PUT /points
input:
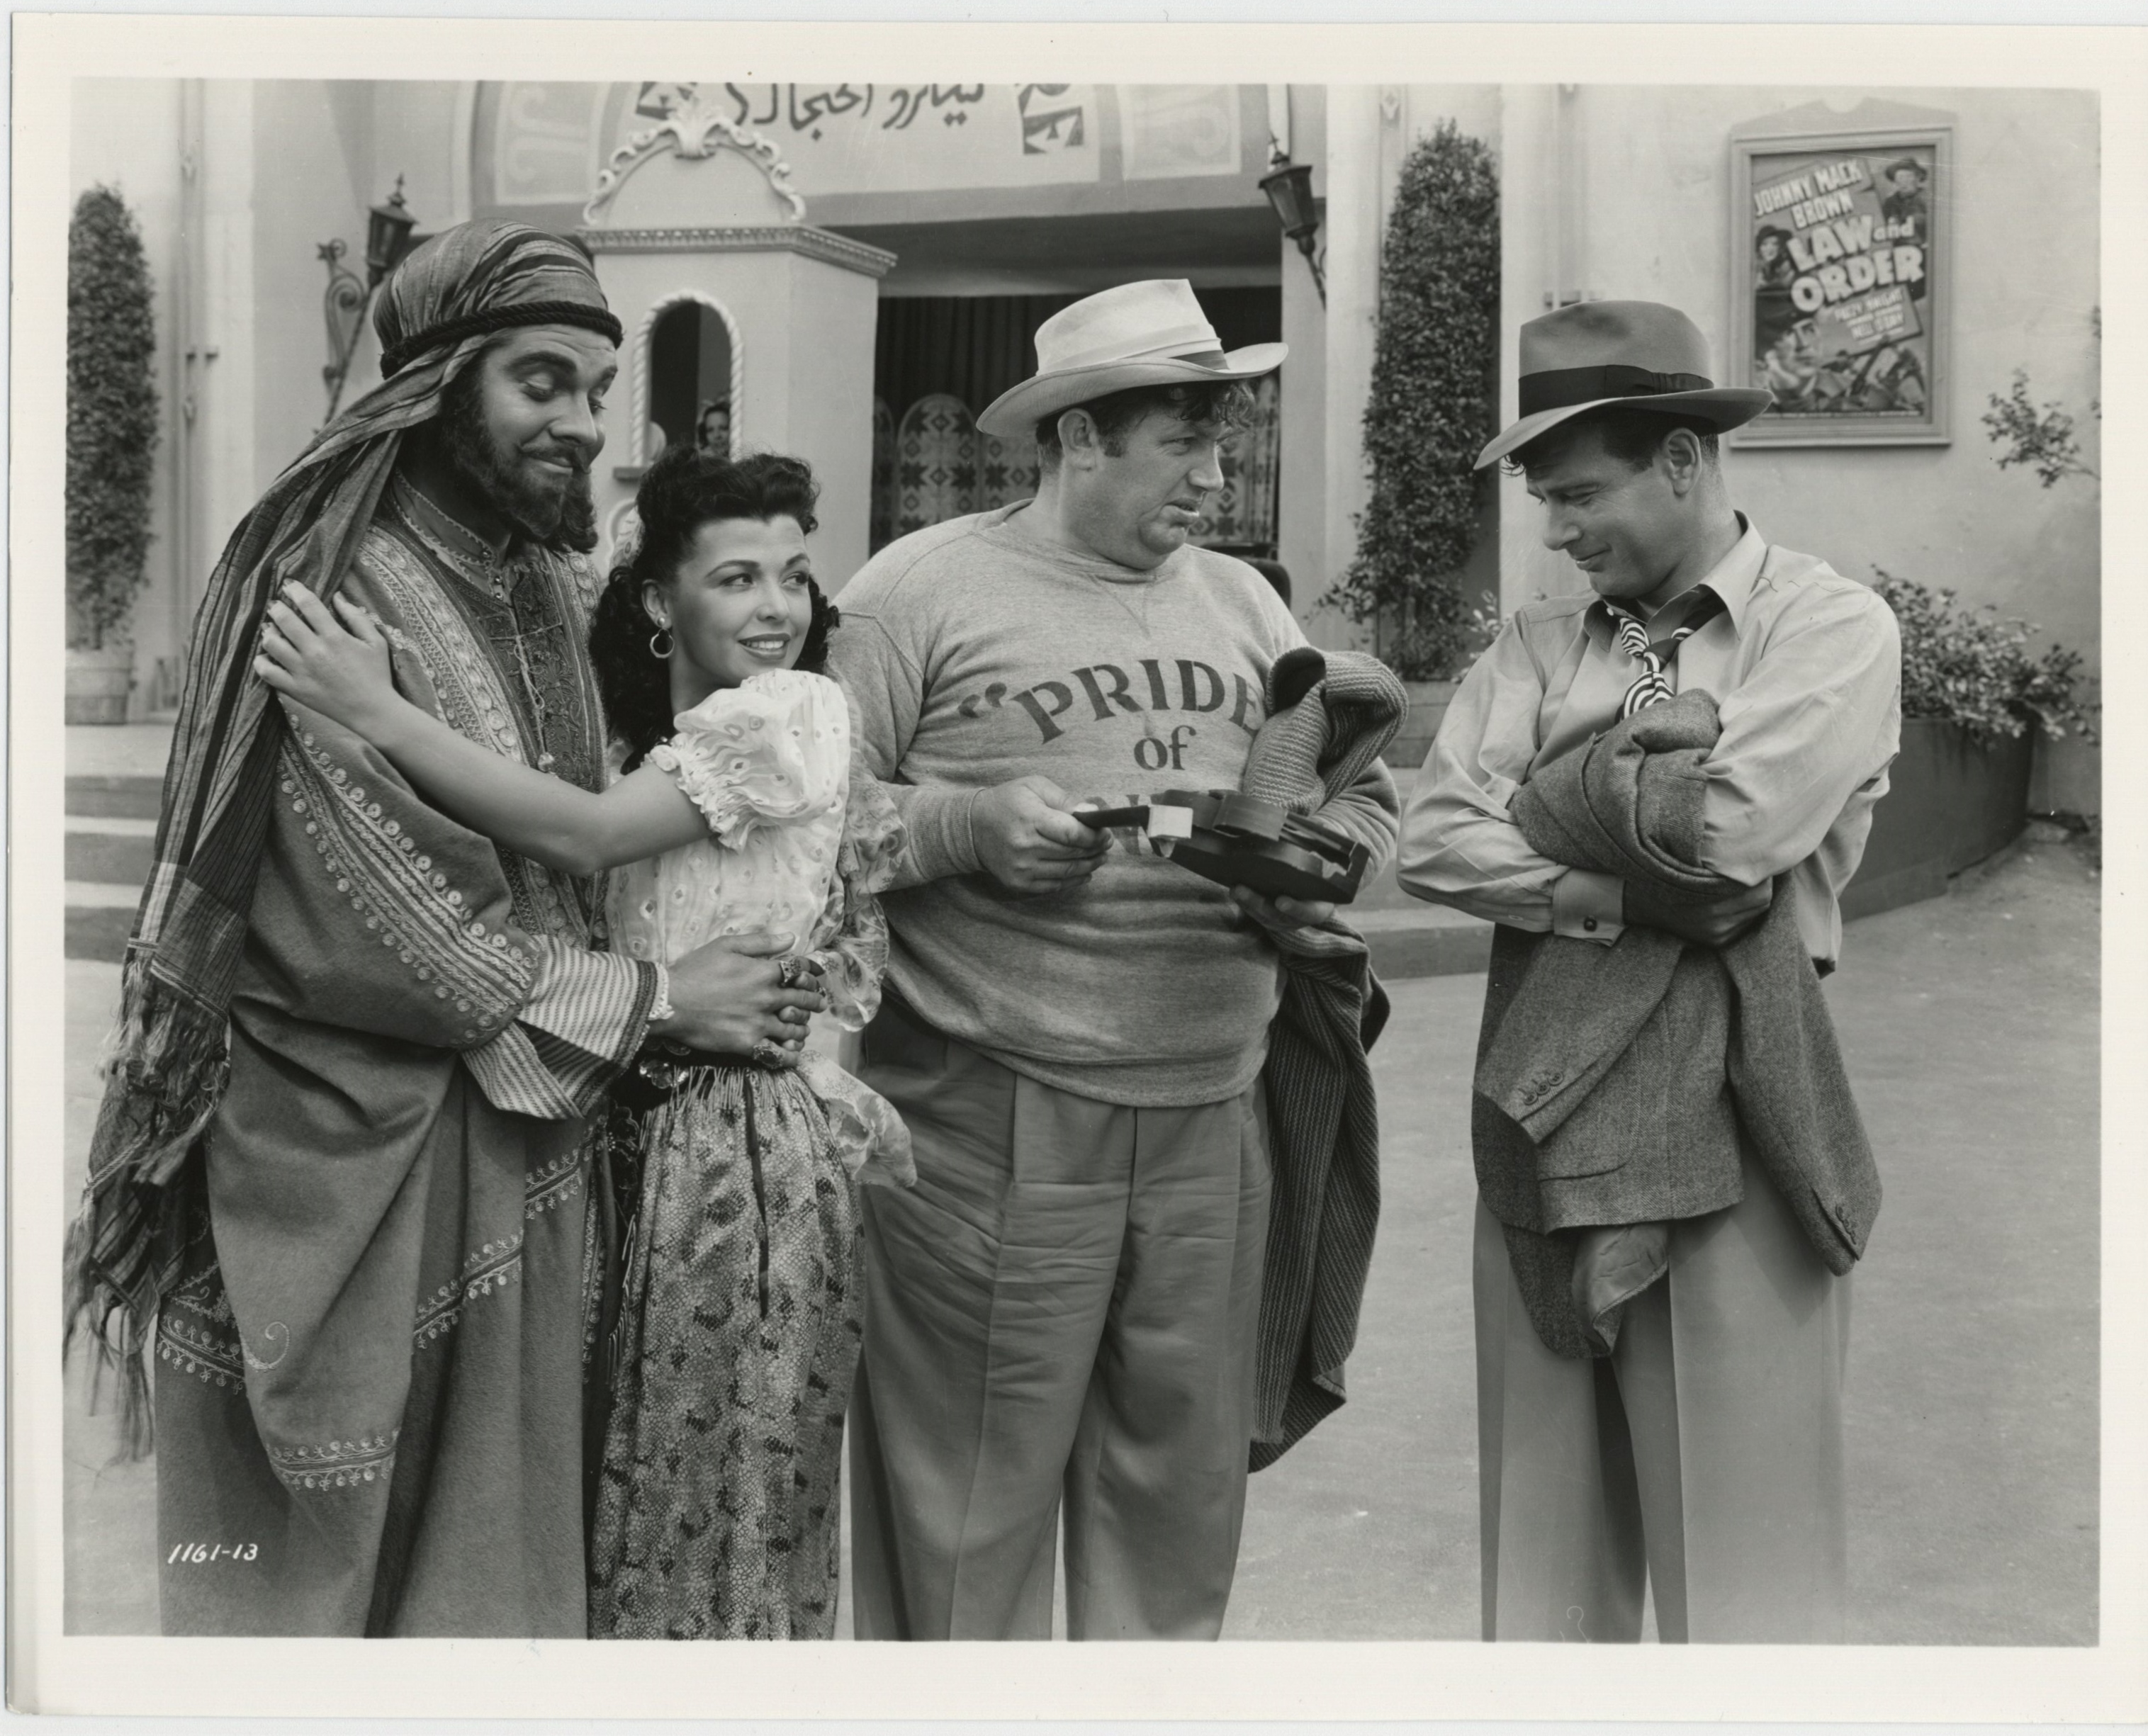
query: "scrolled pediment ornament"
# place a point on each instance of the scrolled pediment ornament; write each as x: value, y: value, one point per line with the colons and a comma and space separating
x: 694, y: 130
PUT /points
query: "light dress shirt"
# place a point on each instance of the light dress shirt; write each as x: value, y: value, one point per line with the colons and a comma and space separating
x: 1806, y: 669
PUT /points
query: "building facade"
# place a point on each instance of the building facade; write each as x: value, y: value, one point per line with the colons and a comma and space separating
x: 852, y: 272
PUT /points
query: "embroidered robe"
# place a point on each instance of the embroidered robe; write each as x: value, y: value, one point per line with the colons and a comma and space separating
x: 370, y: 1383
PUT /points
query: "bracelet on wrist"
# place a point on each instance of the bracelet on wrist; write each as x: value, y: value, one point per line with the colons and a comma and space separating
x: 659, y: 1008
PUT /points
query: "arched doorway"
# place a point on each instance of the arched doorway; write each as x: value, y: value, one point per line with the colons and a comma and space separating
x: 690, y: 378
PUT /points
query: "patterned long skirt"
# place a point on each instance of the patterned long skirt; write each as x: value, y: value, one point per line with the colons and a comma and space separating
x: 717, y: 1507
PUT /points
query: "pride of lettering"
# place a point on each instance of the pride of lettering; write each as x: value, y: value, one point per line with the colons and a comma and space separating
x: 1106, y: 692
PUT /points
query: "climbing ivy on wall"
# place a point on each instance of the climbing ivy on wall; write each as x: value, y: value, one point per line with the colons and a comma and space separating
x: 111, y: 415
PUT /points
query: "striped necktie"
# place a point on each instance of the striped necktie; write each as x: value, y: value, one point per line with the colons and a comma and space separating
x: 1652, y: 685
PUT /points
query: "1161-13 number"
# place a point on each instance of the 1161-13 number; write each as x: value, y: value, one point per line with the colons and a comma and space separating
x: 197, y: 1553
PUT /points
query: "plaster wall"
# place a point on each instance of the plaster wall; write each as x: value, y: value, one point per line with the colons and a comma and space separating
x: 421, y: 130
x: 1302, y: 483
x: 327, y: 149
x: 829, y: 405
x: 313, y: 140
x: 1651, y: 180
x: 1301, y: 503
x: 805, y: 340
x: 1352, y: 231
x: 805, y: 330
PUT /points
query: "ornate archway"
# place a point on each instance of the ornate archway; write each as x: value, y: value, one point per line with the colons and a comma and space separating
x: 638, y: 388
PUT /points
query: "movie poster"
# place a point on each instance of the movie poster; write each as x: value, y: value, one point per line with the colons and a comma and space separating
x: 1842, y: 258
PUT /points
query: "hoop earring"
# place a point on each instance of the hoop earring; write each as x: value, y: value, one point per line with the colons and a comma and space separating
x: 664, y: 633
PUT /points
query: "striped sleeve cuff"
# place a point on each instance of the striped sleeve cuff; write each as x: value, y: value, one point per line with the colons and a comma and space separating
x: 581, y: 1025
x: 515, y: 1078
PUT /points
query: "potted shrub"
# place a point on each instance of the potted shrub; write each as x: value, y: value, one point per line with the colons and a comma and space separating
x: 110, y: 441
x: 1432, y: 408
x: 1973, y: 696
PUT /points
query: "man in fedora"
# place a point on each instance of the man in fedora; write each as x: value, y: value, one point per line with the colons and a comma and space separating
x: 1063, y: 1310
x: 1704, y: 1452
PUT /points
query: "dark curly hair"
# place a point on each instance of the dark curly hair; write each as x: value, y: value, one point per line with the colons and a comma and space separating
x: 683, y: 490
x: 1228, y: 403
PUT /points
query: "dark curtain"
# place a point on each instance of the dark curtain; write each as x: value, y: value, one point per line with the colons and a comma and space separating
x: 974, y: 346
x: 675, y: 370
x: 688, y: 341
x: 1246, y: 314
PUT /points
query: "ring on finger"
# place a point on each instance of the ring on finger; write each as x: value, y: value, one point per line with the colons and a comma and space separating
x: 790, y: 970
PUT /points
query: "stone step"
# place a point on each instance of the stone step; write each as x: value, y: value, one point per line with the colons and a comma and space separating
x: 1423, y: 940
x: 109, y: 849
x: 114, y: 796
x: 108, y: 858
x: 99, y: 932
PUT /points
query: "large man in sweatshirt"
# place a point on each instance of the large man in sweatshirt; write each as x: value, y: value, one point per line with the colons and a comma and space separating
x: 1064, y: 1307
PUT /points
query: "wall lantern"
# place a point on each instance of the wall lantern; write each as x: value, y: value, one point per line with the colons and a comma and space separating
x: 389, y: 227
x: 1289, y: 188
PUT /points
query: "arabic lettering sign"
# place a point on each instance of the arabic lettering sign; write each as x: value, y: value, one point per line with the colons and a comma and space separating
x: 1841, y: 271
x: 902, y: 138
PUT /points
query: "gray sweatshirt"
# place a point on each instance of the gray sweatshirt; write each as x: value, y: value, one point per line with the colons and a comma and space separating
x: 974, y: 656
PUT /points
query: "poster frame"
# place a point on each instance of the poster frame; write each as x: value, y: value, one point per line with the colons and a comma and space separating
x: 1934, y: 427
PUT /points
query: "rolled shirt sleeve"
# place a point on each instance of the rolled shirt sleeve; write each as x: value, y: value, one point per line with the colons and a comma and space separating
x: 1806, y: 741
x: 1458, y: 845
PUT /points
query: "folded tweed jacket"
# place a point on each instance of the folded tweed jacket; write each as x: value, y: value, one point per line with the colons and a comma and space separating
x: 1329, y: 717
x: 1611, y: 1082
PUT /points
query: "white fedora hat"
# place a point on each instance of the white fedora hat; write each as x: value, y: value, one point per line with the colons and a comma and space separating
x: 1150, y: 334
x: 1640, y: 353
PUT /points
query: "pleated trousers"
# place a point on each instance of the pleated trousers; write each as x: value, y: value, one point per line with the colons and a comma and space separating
x: 1702, y: 1459
x: 1061, y: 1311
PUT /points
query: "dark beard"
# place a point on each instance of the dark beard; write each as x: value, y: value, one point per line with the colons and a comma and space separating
x: 578, y: 516
x: 560, y: 514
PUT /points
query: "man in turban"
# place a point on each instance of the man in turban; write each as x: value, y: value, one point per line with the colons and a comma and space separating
x: 342, y: 1173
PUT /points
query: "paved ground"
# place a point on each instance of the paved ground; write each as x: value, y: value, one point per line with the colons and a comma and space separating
x: 1971, y: 1024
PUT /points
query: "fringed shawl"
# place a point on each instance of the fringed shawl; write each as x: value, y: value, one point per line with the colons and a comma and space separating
x: 167, y: 1071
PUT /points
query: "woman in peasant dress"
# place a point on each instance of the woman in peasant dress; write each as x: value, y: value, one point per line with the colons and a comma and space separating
x: 737, y: 811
